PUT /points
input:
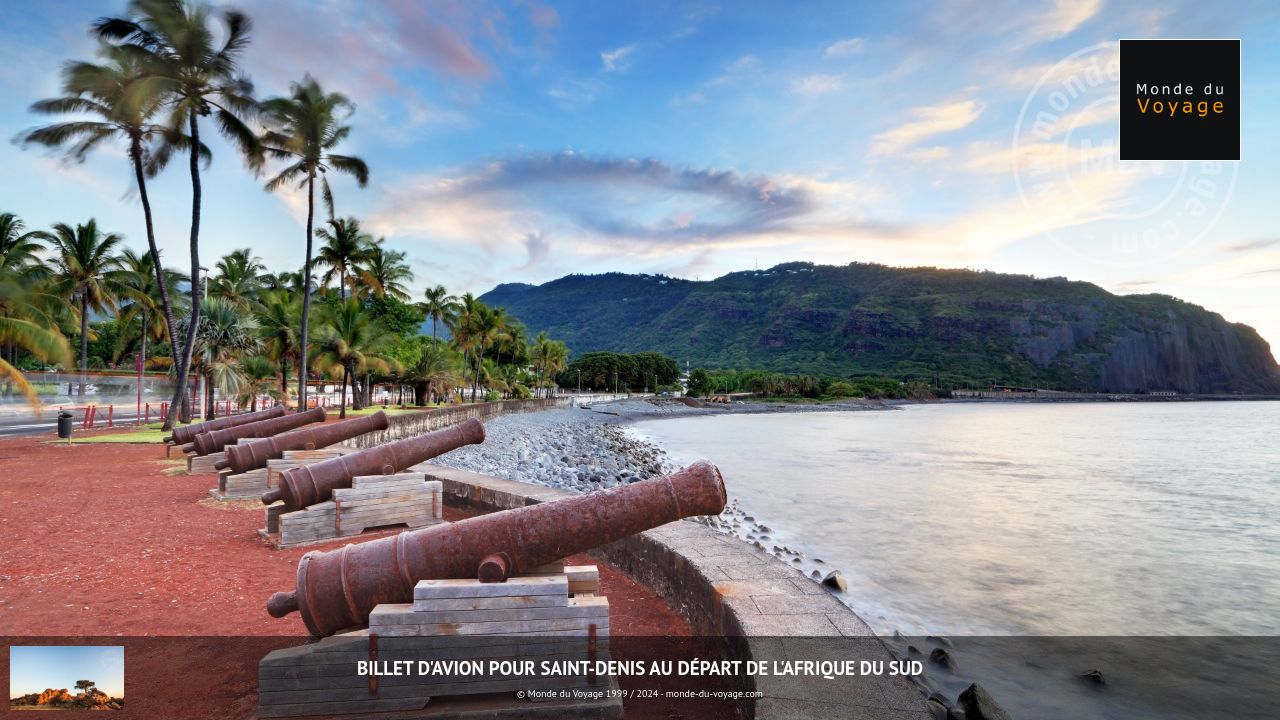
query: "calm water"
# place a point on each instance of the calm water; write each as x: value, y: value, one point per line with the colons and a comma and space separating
x: 1021, y: 519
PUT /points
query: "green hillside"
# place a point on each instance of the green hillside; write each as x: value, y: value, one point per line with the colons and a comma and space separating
x: 964, y: 327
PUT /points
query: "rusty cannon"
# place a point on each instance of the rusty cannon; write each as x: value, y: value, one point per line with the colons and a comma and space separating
x: 314, y: 483
x: 211, y: 442
x: 184, y: 434
x: 253, y: 455
x: 338, y: 589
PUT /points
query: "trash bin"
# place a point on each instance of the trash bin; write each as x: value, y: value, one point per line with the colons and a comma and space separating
x: 64, y: 425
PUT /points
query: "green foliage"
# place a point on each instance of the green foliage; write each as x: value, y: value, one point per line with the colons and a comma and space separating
x: 492, y: 396
x: 395, y: 316
x: 842, y: 389
x: 700, y: 383
x: 607, y: 370
x: 945, y: 328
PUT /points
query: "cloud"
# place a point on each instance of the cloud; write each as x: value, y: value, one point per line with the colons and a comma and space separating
x: 818, y: 84
x: 1250, y: 245
x: 1064, y: 18
x: 537, y: 246
x: 616, y: 60
x: 930, y: 120
x: 844, y: 48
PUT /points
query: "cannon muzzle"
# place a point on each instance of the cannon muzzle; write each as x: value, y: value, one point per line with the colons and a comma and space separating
x: 183, y: 434
x: 253, y: 455
x: 215, y: 441
x: 339, y: 588
x: 314, y: 483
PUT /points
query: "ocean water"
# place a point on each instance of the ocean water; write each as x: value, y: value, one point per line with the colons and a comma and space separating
x: 1012, y: 520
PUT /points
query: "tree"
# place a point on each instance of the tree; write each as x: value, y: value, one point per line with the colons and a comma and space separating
x: 85, y: 686
x: 87, y: 271
x: 440, y: 306
x: 139, y: 303
x: 383, y: 272
x: 25, y: 325
x: 198, y: 78
x: 20, y: 264
x: 435, y: 372
x: 700, y: 384
x: 343, y: 251
x: 225, y: 334
x: 304, y: 129
x: 259, y: 375
x: 353, y: 342
x: 125, y: 102
x: 239, y: 278
x: 279, y: 315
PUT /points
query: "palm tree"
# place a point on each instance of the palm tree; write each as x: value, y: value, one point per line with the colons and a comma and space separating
x: 259, y: 374
x: 278, y: 317
x: 125, y: 104
x: 20, y: 249
x: 239, y: 277
x: 465, y: 331
x: 19, y: 262
x: 304, y: 129
x: 439, y: 306
x: 435, y: 373
x: 342, y: 253
x: 87, y: 271
x: 139, y: 294
x: 198, y: 78
x: 24, y: 325
x: 225, y: 334
x: 352, y: 341
x: 549, y: 357
x: 383, y: 272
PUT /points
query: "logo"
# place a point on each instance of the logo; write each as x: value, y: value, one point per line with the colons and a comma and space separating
x: 1179, y: 99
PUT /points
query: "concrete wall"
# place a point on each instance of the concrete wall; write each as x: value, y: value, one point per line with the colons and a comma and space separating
x: 761, y: 607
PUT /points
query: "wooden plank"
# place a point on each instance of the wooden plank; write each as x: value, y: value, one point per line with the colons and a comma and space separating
x: 521, y: 585
x: 406, y: 614
x: 490, y: 603
x: 513, y: 627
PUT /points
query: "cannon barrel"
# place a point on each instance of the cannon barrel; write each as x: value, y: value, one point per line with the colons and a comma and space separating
x: 314, y: 483
x: 215, y: 441
x: 339, y: 588
x: 253, y: 455
x: 183, y: 434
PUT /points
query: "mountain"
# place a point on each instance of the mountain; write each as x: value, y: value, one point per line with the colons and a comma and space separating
x: 964, y: 327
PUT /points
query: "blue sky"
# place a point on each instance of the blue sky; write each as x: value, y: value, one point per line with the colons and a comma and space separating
x: 36, y: 668
x: 522, y: 141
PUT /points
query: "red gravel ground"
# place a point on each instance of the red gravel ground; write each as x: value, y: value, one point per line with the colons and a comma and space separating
x: 109, y: 540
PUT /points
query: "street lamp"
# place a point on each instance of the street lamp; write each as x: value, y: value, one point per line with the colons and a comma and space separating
x: 579, y: 381
x: 205, y: 270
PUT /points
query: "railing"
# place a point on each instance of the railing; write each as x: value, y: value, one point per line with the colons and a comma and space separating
x: 411, y: 424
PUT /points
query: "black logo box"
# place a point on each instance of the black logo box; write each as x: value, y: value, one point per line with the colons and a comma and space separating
x: 1185, y: 68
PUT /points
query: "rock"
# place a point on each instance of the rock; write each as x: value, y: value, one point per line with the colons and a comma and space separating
x: 914, y: 652
x: 835, y: 580
x: 936, y: 709
x: 114, y: 705
x: 942, y: 659
x: 978, y: 704
x: 54, y: 697
x: 955, y: 714
x: 1093, y: 677
x: 816, y: 575
x: 939, y: 640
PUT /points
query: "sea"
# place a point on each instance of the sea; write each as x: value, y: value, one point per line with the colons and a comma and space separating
x: 1036, y: 542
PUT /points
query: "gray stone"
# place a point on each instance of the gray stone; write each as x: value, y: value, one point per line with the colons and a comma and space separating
x: 835, y: 580
x: 978, y: 704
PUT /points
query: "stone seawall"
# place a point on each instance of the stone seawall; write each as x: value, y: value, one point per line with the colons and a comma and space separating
x: 759, y: 606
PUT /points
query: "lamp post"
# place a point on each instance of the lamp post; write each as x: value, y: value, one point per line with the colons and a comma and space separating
x: 205, y: 281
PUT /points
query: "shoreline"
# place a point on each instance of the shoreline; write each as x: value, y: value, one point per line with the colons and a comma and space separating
x: 587, y: 448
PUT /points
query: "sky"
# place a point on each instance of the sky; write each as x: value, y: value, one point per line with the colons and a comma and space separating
x: 522, y: 141
x: 36, y: 668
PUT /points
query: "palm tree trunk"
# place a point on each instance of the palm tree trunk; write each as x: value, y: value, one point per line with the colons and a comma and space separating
x: 342, y: 285
x: 209, y: 410
x: 342, y: 411
x: 135, y: 152
x: 306, y: 296
x: 84, y: 339
x: 189, y: 344
x: 355, y: 390
x: 284, y: 377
